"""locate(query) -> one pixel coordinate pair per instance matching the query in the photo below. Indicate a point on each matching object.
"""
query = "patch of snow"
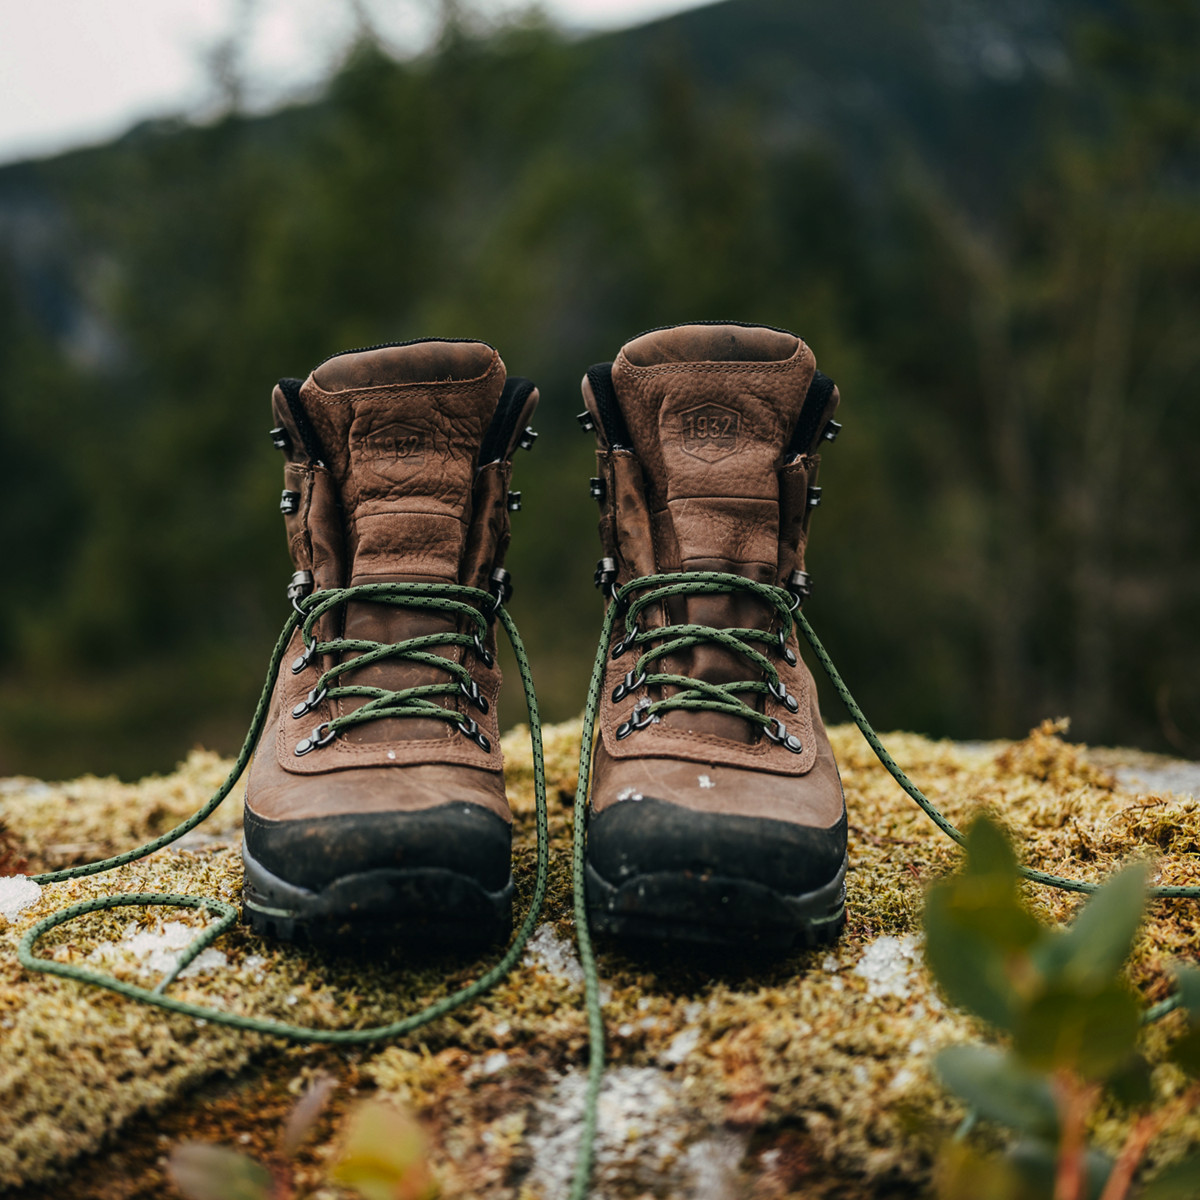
(1181, 779)
(159, 949)
(680, 1046)
(706, 782)
(254, 963)
(640, 1131)
(553, 954)
(27, 789)
(888, 965)
(17, 893)
(830, 963)
(629, 794)
(710, 1167)
(494, 1062)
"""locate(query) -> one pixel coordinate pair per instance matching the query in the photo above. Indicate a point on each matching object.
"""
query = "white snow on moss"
(680, 1046)
(640, 1132)
(553, 954)
(889, 965)
(17, 893)
(158, 949)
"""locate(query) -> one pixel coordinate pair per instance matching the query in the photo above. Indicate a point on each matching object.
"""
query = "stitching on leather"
(803, 355)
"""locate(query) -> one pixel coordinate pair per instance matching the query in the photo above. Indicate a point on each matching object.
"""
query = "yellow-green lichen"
(782, 1075)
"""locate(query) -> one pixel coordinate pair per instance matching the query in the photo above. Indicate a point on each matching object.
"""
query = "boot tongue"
(710, 410)
(400, 429)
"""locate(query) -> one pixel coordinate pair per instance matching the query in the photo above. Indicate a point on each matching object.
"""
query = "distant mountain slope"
(989, 237)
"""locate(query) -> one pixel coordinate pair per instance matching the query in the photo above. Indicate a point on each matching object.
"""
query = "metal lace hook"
(300, 586)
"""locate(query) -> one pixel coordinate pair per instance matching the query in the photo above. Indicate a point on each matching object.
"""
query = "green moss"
(811, 1076)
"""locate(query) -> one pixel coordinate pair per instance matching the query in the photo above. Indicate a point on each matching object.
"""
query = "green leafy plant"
(1072, 1023)
(383, 1156)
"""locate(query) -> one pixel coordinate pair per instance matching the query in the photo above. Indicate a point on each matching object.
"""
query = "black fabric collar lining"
(304, 427)
(500, 432)
(611, 417)
(808, 427)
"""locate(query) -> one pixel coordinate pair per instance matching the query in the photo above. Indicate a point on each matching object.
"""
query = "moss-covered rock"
(808, 1076)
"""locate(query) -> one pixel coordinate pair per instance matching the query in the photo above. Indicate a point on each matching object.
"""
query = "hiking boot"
(376, 795)
(716, 811)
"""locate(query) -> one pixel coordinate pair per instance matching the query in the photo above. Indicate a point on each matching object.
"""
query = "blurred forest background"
(983, 216)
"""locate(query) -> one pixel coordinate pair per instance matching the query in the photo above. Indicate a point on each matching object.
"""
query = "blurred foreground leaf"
(963, 1174)
(976, 930)
(1000, 1089)
(1036, 1163)
(1090, 953)
(384, 1156)
(1131, 1083)
(1188, 979)
(1179, 1181)
(307, 1111)
(205, 1172)
(1092, 1035)
(1186, 1052)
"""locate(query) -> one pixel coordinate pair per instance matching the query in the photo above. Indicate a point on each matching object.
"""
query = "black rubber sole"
(429, 905)
(715, 910)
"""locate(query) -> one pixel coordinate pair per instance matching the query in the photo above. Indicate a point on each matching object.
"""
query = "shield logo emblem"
(709, 431)
(392, 451)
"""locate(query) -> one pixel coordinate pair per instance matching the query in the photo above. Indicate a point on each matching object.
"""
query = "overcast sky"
(73, 72)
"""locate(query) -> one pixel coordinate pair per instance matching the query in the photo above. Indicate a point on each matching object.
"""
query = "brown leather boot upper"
(398, 468)
(708, 438)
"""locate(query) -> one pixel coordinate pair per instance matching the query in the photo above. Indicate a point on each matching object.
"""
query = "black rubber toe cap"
(642, 837)
(312, 853)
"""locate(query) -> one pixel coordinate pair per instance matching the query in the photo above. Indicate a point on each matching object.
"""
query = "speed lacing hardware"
(466, 605)
(631, 600)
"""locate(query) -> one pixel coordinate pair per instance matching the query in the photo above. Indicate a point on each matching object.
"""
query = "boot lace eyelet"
(630, 684)
(308, 703)
(315, 740)
(471, 693)
(784, 696)
(777, 732)
(785, 651)
(638, 719)
(470, 728)
(482, 652)
(627, 641)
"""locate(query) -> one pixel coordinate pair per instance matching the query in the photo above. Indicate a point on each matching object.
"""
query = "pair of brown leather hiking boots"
(376, 797)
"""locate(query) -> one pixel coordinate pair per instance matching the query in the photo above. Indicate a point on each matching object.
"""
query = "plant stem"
(1075, 1100)
(1149, 1126)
